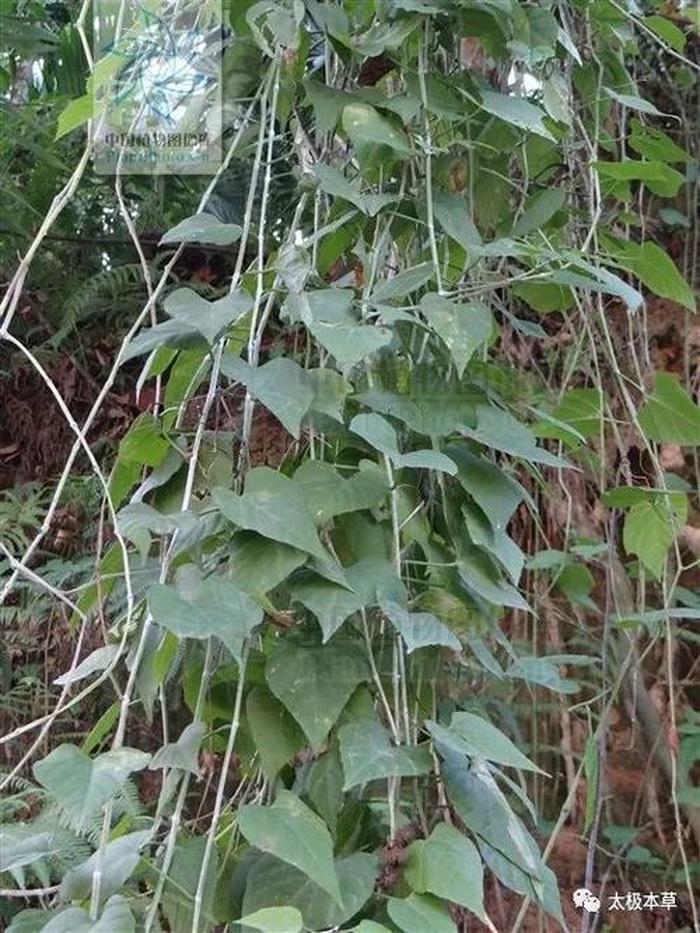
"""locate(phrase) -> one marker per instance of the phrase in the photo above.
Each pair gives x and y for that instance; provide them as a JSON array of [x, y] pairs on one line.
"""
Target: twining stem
[[211, 835]]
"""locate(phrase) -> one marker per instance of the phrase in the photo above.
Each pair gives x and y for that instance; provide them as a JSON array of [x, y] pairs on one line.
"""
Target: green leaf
[[350, 343], [497, 543], [368, 754], [483, 808], [580, 408], [137, 521], [633, 102], [556, 97], [292, 832], [276, 735], [543, 296], [208, 318], [182, 882], [479, 576], [659, 178], [648, 533], [275, 507], [272, 882], [330, 391], [654, 144], [420, 629], [426, 460], [31, 920], [490, 487], [97, 660], [403, 283], [376, 581], [116, 918], [275, 920], [542, 671], [119, 859], [330, 603], [171, 334], [382, 36], [545, 892], [654, 616], [81, 785], [666, 30], [328, 315], [324, 786], [203, 228], [447, 864], [334, 182], [576, 582], [654, 268], [433, 412], [21, 845], [441, 99], [462, 327], [596, 279], [215, 608], [144, 443], [499, 430], [476, 736], [315, 682], [258, 565], [419, 913], [328, 104], [76, 113], [379, 433], [452, 213], [183, 754], [539, 208], [281, 385], [22, 35], [516, 111], [102, 728], [369, 926], [669, 415], [366, 127], [328, 494]]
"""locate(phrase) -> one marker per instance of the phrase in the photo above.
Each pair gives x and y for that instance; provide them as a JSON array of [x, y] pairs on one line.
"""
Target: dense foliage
[[351, 517]]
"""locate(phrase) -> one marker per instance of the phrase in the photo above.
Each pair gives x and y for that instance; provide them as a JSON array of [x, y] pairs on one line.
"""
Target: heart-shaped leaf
[[216, 608], [208, 318], [203, 228], [420, 629], [183, 754], [274, 506], [447, 864], [281, 385], [315, 682], [290, 831], [80, 784], [368, 754], [461, 327]]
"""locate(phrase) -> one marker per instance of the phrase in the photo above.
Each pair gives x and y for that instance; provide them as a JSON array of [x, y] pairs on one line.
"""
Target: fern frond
[[106, 293]]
